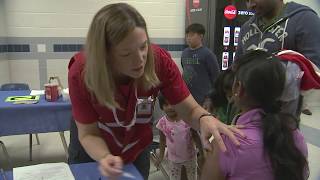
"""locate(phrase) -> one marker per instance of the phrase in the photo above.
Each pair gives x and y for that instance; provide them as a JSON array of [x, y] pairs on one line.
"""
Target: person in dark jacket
[[276, 26]]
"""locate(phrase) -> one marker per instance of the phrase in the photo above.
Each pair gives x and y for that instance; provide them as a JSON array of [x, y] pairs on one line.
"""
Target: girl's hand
[[111, 166]]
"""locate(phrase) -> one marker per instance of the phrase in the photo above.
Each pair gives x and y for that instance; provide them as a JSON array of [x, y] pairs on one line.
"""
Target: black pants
[[77, 154]]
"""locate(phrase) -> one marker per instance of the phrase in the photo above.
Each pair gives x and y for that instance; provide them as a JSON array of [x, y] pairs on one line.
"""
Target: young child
[[200, 65], [180, 140], [219, 101], [274, 148]]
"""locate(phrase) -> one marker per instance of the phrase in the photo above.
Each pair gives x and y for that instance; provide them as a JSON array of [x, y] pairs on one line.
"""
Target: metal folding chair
[[154, 158], [6, 154]]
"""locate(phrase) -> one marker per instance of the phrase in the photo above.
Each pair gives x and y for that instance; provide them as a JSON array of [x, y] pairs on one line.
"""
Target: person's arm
[[86, 120], [212, 67], [176, 92], [181, 64], [190, 111], [240, 50], [161, 126], [182, 57], [197, 141], [211, 169], [91, 140], [307, 37], [162, 147]]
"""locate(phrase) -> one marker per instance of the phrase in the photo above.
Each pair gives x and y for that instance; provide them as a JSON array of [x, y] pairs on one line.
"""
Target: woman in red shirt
[[112, 88]]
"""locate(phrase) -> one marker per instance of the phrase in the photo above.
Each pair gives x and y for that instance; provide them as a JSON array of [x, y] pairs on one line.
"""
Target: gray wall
[[37, 31], [3, 31], [4, 63]]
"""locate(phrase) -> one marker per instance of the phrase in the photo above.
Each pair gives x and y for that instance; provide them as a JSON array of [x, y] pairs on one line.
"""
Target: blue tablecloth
[[41, 117], [89, 171]]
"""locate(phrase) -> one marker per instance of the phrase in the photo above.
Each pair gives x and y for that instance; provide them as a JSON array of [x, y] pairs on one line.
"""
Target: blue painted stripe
[[67, 47], [312, 135], [78, 47], [173, 47], [4, 48]]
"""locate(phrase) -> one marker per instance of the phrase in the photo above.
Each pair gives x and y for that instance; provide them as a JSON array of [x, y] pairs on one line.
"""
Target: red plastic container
[[51, 92]]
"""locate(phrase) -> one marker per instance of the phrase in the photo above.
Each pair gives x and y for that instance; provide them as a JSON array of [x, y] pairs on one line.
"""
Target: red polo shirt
[[127, 143]]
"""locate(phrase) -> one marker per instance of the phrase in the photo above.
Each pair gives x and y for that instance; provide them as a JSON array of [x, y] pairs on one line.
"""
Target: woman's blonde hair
[[108, 28]]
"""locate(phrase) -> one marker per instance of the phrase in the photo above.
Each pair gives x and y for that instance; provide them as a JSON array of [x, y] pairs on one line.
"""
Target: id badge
[[145, 106]]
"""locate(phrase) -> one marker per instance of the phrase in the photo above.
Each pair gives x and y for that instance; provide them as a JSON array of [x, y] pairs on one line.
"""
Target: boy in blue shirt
[[200, 66]]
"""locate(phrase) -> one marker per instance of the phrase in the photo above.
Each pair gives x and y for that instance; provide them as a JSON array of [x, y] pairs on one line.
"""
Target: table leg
[[30, 147], [64, 143], [37, 137]]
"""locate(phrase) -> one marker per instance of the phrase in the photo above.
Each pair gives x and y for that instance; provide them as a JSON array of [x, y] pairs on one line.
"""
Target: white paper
[[66, 90], [48, 171], [128, 175], [65, 94], [36, 92]]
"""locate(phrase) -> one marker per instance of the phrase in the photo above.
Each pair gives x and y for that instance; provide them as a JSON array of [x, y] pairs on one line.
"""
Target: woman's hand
[[111, 166], [190, 111], [211, 126]]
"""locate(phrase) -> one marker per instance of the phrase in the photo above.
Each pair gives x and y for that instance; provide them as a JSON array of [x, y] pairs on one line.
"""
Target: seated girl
[[274, 148]]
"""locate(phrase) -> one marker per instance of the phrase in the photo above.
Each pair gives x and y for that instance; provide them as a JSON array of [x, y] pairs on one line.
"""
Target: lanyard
[[133, 121]]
